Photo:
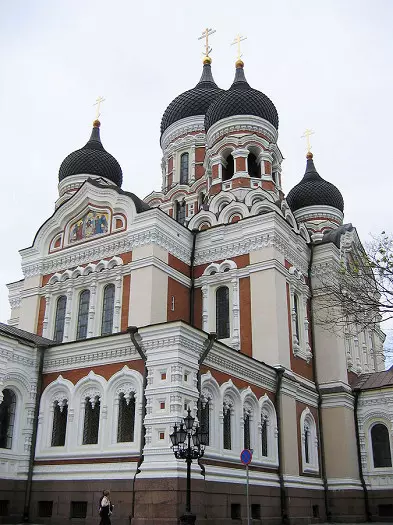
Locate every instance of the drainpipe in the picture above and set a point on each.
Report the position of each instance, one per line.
(29, 483)
(283, 497)
(192, 287)
(362, 480)
(208, 346)
(314, 369)
(133, 330)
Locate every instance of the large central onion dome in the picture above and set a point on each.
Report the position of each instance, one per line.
(194, 101)
(92, 159)
(313, 190)
(241, 99)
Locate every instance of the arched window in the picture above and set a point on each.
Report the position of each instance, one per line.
(253, 168)
(7, 418)
(108, 306)
(184, 168)
(227, 428)
(92, 421)
(296, 315)
(381, 446)
(60, 413)
(229, 170)
(60, 318)
(308, 427)
(264, 437)
(181, 212)
(222, 313)
(307, 443)
(247, 439)
(126, 422)
(83, 314)
(205, 420)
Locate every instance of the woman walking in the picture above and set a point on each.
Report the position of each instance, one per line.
(106, 508)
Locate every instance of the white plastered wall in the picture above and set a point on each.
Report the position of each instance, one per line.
(29, 304)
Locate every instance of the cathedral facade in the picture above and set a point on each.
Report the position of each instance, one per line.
(200, 297)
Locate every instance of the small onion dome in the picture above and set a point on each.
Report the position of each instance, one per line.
(241, 99)
(92, 159)
(194, 101)
(313, 190)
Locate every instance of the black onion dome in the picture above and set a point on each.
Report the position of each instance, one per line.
(313, 190)
(241, 99)
(194, 101)
(92, 159)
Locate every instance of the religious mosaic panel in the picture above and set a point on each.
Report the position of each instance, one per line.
(91, 224)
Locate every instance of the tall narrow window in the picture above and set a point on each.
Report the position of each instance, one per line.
(184, 168)
(60, 413)
(222, 313)
(296, 315)
(126, 423)
(7, 418)
(83, 314)
(108, 306)
(381, 446)
(181, 212)
(228, 171)
(205, 421)
(307, 444)
(265, 451)
(247, 441)
(60, 318)
(227, 428)
(253, 168)
(91, 421)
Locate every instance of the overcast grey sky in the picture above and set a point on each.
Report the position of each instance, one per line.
(326, 64)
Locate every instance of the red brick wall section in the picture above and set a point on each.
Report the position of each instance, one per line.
(125, 302)
(105, 371)
(199, 171)
(268, 167)
(245, 316)
(215, 171)
(126, 257)
(240, 164)
(178, 265)
(181, 295)
(199, 154)
(242, 182)
(170, 164)
(198, 308)
(268, 185)
(299, 409)
(41, 314)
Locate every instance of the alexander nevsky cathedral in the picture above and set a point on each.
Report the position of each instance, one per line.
(198, 299)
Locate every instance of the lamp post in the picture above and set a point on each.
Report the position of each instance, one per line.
(188, 442)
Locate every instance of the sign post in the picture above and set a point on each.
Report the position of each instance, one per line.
(246, 457)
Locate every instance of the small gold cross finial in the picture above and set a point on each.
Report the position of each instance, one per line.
(206, 33)
(237, 41)
(306, 136)
(98, 102)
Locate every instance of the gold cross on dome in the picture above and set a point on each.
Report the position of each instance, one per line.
(98, 102)
(206, 33)
(306, 136)
(237, 41)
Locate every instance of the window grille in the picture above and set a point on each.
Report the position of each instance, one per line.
(296, 311)
(307, 444)
(184, 168)
(108, 307)
(227, 429)
(264, 437)
(45, 509)
(380, 445)
(126, 422)
(60, 318)
(4, 507)
(91, 422)
(60, 414)
(7, 418)
(222, 312)
(247, 442)
(205, 421)
(78, 509)
(181, 212)
(83, 314)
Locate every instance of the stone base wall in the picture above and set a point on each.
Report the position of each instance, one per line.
(162, 501)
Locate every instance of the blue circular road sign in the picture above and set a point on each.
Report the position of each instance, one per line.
(246, 456)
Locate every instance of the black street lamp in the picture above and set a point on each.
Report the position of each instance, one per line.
(188, 442)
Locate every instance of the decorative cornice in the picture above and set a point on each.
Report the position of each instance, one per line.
(182, 127)
(249, 123)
